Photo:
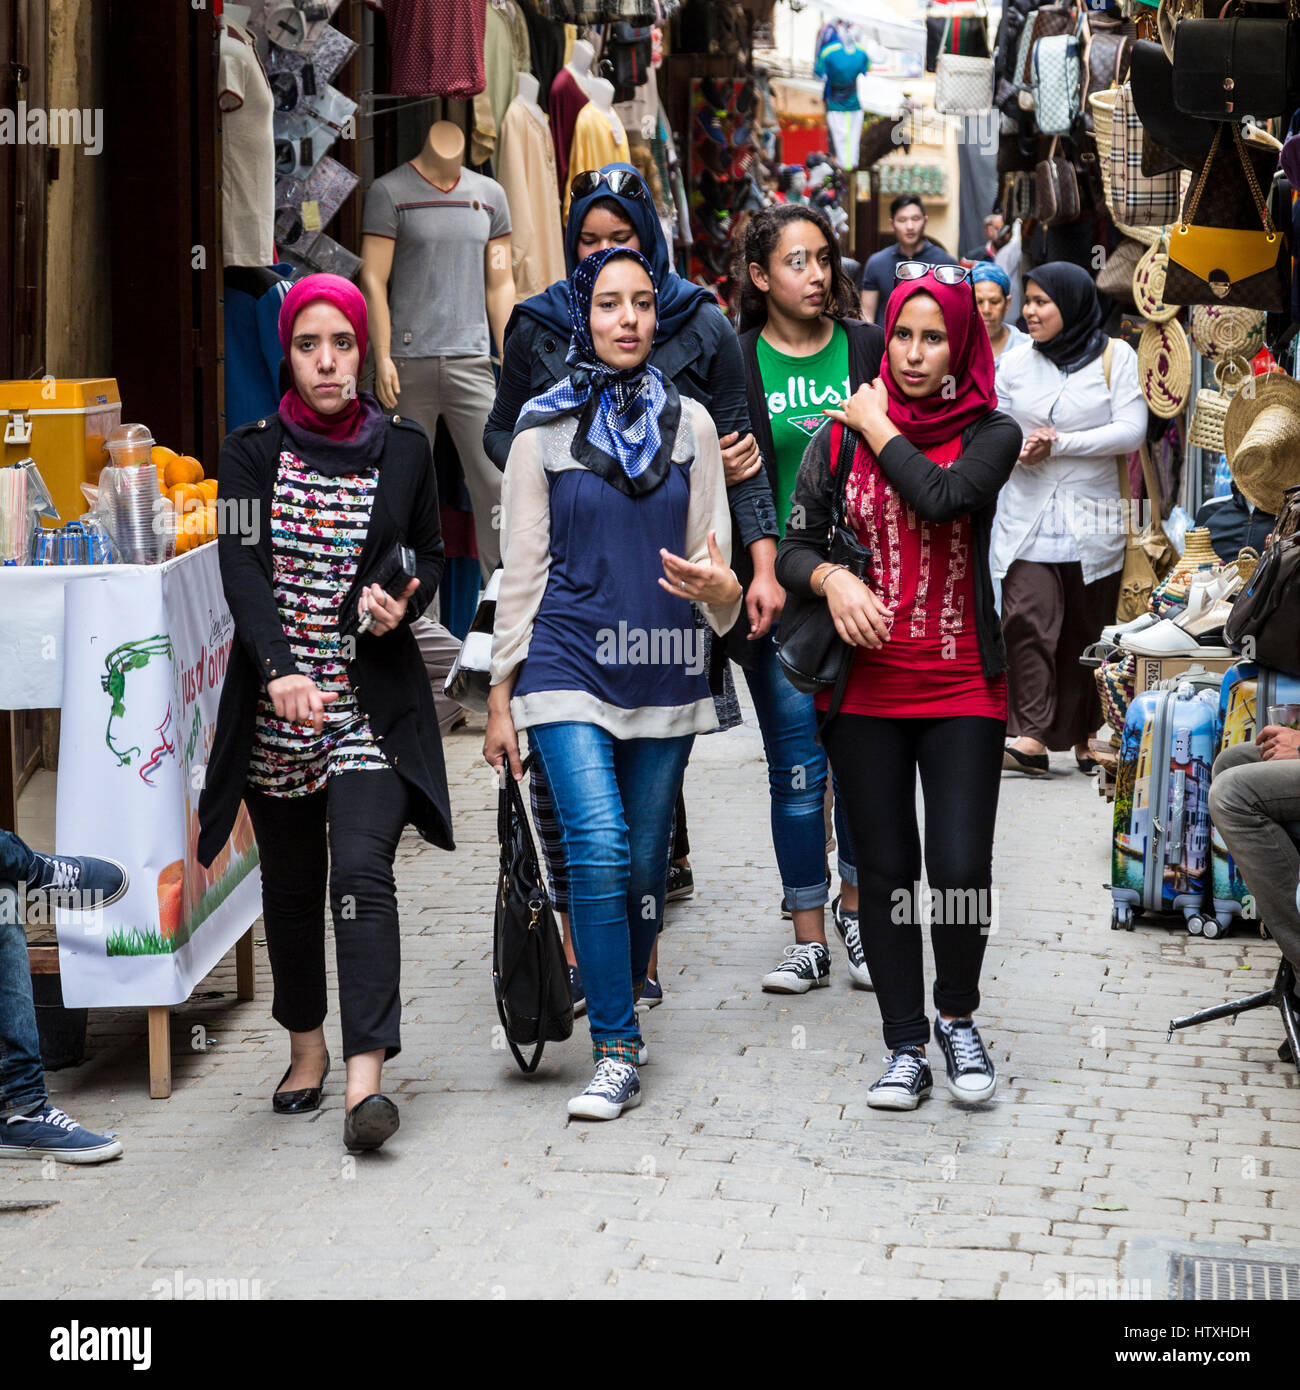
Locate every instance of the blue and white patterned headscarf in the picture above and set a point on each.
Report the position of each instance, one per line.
(627, 420)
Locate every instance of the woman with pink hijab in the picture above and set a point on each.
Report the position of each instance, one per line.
(326, 728)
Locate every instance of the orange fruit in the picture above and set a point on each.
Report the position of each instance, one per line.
(208, 487)
(182, 469)
(162, 456)
(195, 467)
(186, 498)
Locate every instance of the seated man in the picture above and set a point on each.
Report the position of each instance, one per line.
(30, 1127)
(1254, 792)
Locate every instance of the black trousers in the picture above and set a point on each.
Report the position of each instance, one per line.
(346, 836)
(876, 762)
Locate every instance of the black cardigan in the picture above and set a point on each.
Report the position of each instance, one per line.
(866, 348)
(387, 675)
(967, 487)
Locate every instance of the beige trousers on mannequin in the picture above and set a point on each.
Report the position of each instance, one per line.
(459, 390)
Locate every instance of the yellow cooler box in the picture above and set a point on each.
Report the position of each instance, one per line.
(62, 425)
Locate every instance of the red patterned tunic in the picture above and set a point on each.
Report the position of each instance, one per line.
(922, 572)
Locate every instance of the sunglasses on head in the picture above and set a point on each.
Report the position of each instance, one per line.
(622, 182)
(918, 270)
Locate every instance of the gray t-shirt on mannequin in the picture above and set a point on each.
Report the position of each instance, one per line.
(436, 294)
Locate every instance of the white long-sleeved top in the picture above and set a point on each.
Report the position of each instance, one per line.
(1066, 508)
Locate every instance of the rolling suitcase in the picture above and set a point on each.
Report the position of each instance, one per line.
(1247, 688)
(1160, 853)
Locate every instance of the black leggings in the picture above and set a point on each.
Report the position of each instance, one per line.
(960, 762)
(359, 818)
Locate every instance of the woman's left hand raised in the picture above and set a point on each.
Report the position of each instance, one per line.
(866, 410)
(385, 611)
(711, 582)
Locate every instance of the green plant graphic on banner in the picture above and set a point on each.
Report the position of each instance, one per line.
(130, 656)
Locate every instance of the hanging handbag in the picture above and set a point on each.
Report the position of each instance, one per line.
(1056, 83)
(1233, 254)
(1135, 199)
(630, 47)
(530, 977)
(470, 677)
(1224, 68)
(1107, 48)
(1115, 278)
(1017, 196)
(1149, 554)
(812, 654)
(1264, 623)
(1184, 140)
(1045, 22)
(963, 86)
(965, 36)
(1056, 190)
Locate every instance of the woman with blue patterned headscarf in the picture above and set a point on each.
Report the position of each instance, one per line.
(614, 519)
(992, 286)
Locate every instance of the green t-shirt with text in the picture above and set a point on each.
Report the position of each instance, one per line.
(798, 389)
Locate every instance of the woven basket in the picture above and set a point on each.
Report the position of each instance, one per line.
(1218, 330)
(1115, 683)
(1197, 551)
(1247, 563)
(1165, 368)
(1211, 408)
(1103, 116)
(1149, 287)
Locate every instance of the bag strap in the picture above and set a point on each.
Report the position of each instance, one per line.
(1194, 201)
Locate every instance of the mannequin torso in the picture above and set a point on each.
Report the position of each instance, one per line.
(529, 89)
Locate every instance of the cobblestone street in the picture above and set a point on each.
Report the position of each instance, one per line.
(754, 1167)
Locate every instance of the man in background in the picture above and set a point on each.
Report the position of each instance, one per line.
(907, 219)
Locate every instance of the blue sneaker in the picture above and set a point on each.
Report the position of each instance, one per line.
(52, 1134)
(614, 1088)
(577, 991)
(652, 995)
(80, 883)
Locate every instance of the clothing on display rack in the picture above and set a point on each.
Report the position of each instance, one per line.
(568, 99)
(253, 352)
(546, 44)
(526, 170)
(247, 151)
(505, 54)
(435, 47)
(598, 139)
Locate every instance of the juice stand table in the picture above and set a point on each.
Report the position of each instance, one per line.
(135, 657)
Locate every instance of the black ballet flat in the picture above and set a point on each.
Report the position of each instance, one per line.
(369, 1123)
(299, 1102)
(1013, 760)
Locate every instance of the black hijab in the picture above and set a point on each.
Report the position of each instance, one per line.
(1081, 339)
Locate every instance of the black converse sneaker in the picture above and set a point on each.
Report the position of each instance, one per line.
(846, 923)
(905, 1084)
(971, 1073)
(807, 965)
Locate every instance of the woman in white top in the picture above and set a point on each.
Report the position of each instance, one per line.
(1058, 541)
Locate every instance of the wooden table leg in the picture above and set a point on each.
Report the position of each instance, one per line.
(160, 1052)
(245, 974)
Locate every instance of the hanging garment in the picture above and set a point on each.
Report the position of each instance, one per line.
(546, 44)
(526, 170)
(499, 64)
(598, 139)
(845, 128)
(253, 353)
(247, 152)
(567, 100)
(435, 47)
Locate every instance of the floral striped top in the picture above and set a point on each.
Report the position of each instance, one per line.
(318, 527)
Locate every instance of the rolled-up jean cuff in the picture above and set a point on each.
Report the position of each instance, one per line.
(801, 899)
(36, 1101)
(848, 872)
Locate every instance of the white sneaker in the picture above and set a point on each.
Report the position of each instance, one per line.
(614, 1088)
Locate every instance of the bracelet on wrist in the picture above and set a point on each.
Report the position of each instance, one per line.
(826, 578)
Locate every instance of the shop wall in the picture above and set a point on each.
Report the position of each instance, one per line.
(78, 309)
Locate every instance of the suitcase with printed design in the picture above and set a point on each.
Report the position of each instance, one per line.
(1248, 689)
(1160, 851)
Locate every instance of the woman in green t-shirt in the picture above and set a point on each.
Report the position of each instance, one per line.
(804, 350)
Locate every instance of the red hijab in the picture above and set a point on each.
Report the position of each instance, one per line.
(341, 427)
(935, 419)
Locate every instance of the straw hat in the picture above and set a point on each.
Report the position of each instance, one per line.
(1165, 368)
(1261, 437)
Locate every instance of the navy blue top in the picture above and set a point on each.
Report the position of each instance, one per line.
(878, 273)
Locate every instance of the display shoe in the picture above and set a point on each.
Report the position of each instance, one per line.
(299, 1102)
(1117, 630)
(1166, 638)
(369, 1123)
(1209, 621)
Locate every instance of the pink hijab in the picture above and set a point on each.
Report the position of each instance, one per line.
(936, 419)
(341, 427)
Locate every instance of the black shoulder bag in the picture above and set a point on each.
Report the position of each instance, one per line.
(812, 654)
(529, 974)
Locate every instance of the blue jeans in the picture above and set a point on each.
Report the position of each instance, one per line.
(847, 866)
(22, 1077)
(614, 802)
(796, 778)
(15, 859)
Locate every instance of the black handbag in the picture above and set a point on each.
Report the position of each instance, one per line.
(630, 49)
(1183, 139)
(812, 654)
(1224, 68)
(530, 977)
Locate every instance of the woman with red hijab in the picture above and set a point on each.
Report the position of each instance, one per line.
(927, 688)
(326, 728)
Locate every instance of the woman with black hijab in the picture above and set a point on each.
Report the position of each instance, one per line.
(1057, 547)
